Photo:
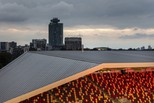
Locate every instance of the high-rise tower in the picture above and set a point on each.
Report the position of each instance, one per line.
(55, 33)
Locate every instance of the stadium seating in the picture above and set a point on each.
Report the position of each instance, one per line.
(45, 97)
(100, 87)
(80, 90)
(135, 86)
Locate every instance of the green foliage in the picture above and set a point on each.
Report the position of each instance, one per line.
(5, 58)
(1, 65)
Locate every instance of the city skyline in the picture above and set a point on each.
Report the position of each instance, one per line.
(105, 23)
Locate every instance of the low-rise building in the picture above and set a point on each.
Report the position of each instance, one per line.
(4, 46)
(38, 44)
(73, 43)
(13, 44)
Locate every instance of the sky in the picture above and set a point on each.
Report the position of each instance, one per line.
(100, 23)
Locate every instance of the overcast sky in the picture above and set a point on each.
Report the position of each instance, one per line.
(101, 23)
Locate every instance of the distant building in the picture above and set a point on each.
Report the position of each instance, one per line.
(142, 48)
(73, 43)
(138, 48)
(38, 44)
(8, 46)
(26, 48)
(4, 46)
(55, 33)
(13, 44)
(149, 47)
(17, 51)
(102, 48)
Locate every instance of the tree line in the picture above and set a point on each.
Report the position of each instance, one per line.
(6, 57)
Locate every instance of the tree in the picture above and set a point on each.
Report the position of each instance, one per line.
(1, 65)
(5, 58)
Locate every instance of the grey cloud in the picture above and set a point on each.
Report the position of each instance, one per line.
(129, 7)
(12, 13)
(62, 5)
(60, 9)
(137, 36)
(36, 14)
(32, 11)
(120, 13)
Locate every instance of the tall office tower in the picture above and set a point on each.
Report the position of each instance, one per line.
(55, 33)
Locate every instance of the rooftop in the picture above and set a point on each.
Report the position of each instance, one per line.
(42, 70)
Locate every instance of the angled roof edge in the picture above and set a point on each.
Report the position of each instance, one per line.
(13, 61)
(76, 76)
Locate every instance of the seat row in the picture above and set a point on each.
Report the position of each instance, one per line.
(135, 86)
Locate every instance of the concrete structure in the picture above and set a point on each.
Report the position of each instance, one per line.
(73, 43)
(13, 44)
(55, 33)
(4, 46)
(38, 44)
(149, 47)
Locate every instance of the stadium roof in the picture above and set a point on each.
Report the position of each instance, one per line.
(35, 72)
(100, 57)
